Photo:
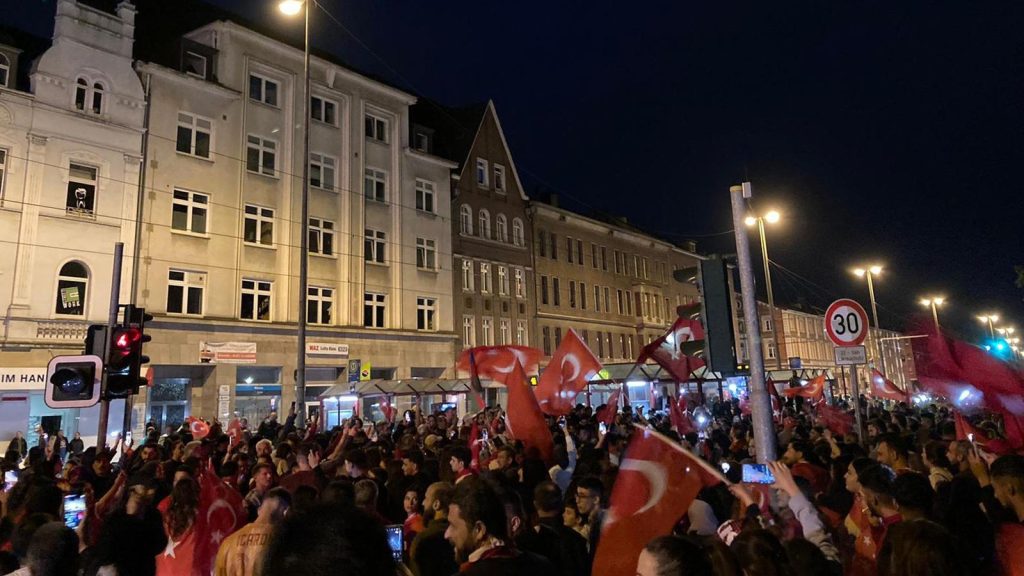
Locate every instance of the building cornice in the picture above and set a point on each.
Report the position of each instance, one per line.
(191, 81)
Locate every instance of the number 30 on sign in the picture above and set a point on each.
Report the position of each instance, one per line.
(846, 323)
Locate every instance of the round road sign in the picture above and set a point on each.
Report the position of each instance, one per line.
(846, 323)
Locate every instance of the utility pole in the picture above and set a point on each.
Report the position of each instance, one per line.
(760, 403)
(115, 293)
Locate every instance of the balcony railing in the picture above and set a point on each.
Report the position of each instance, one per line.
(59, 330)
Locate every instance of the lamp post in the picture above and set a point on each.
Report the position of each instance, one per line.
(292, 8)
(934, 302)
(989, 319)
(871, 272)
(772, 216)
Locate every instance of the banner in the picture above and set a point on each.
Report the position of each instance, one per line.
(227, 352)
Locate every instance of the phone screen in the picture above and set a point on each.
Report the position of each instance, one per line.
(10, 479)
(757, 474)
(395, 540)
(603, 427)
(74, 510)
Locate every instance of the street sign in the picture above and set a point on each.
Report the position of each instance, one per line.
(851, 355)
(795, 363)
(354, 367)
(846, 323)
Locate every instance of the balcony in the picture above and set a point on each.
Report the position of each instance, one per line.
(61, 330)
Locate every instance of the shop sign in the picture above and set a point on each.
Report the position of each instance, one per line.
(326, 349)
(15, 378)
(227, 352)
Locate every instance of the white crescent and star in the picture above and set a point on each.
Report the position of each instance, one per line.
(656, 479)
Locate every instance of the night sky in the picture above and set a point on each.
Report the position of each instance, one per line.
(884, 131)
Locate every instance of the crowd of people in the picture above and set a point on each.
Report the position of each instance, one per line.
(433, 494)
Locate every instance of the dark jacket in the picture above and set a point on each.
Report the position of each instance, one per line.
(431, 554)
(563, 546)
(510, 562)
(131, 543)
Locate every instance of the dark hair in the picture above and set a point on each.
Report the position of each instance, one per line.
(547, 497)
(338, 492)
(326, 538)
(592, 484)
(21, 538)
(806, 558)
(281, 494)
(357, 457)
(918, 547)
(914, 491)
(366, 493)
(677, 555)
(183, 507)
(53, 551)
(443, 492)
(760, 552)
(414, 456)
(895, 443)
(304, 498)
(462, 454)
(256, 468)
(1008, 466)
(479, 501)
(935, 450)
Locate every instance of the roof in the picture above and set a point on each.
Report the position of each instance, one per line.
(403, 387)
(31, 47)
(454, 128)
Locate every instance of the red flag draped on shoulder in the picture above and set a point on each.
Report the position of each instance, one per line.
(656, 483)
(667, 349)
(496, 362)
(814, 389)
(525, 420)
(571, 367)
(221, 511)
(882, 387)
(606, 413)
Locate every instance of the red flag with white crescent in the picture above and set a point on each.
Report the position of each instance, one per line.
(677, 414)
(234, 431)
(667, 351)
(656, 483)
(606, 413)
(572, 366)
(221, 511)
(197, 427)
(524, 419)
(497, 362)
(884, 388)
(814, 389)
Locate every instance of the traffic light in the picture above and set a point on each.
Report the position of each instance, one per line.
(125, 360)
(718, 349)
(73, 381)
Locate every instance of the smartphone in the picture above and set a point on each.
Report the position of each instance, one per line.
(757, 474)
(74, 509)
(603, 428)
(970, 437)
(725, 466)
(484, 435)
(10, 479)
(395, 540)
(128, 437)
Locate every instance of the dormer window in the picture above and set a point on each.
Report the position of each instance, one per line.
(5, 70)
(194, 64)
(89, 96)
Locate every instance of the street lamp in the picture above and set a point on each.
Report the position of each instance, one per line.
(989, 319)
(772, 216)
(871, 272)
(292, 8)
(934, 302)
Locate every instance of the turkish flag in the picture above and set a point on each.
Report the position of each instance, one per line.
(967, 431)
(677, 414)
(814, 389)
(656, 483)
(834, 419)
(525, 420)
(885, 388)
(571, 368)
(221, 511)
(607, 413)
(474, 445)
(666, 350)
(387, 409)
(235, 431)
(496, 362)
(197, 427)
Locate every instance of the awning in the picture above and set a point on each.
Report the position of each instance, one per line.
(404, 387)
(650, 372)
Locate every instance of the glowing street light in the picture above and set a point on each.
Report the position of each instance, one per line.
(989, 319)
(871, 271)
(772, 216)
(934, 302)
(290, 7)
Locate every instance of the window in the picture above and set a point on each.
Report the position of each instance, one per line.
(481, 173)
(194, 135)
(518, 233)
(607, 299)
(189, 211)
(504, 331)
(5, 70)
(583, 296)
(376, 128)
(629, 303)
(259, 225)
(622, 345)
(643, 264)
(543, 289)
(321, 171)
(485, 278)
(521, 337)
(501, 226)
(467, 275)
(375, 184)
(766, 324)
(572, 293)
(425, 196)
(600, 346)
(468, 331)
(542, 243)
(3, 168)
(426, 313)
(323, 110)
(579, 252)
(194, 64)
(503, 281)
(185, 292)
(770, 350)
(547, 340)
(556, 295)
(520, 282)
(321, 237)
(485, 224)
(319, 303)
(568, 250)
(604, 258)
(487, 331)
(597, 299)
(426, 254)
(558, 337)
(72, 282)
(499, 178)
(373, 245)
(636, 266)
(421, 141)
(261, 156)
(554, 246)
(256, 299)
(373, 309)
(81, 196)
(89, 96)
(629, 346)
(593, 255)
(466, 220)
(262, 89)
(618, 301)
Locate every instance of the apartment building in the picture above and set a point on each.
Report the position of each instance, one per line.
(71, 124)
(222, 228)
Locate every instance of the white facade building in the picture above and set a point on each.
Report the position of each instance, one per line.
(69, 172)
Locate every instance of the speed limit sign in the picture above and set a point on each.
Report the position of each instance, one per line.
(846, 323)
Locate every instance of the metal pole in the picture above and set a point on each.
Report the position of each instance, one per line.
(771, 295)
(935, 316)
(300, 371)
(115, 298)
(856, 404)
(140, 202)
(760, 403)
(874, 314)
